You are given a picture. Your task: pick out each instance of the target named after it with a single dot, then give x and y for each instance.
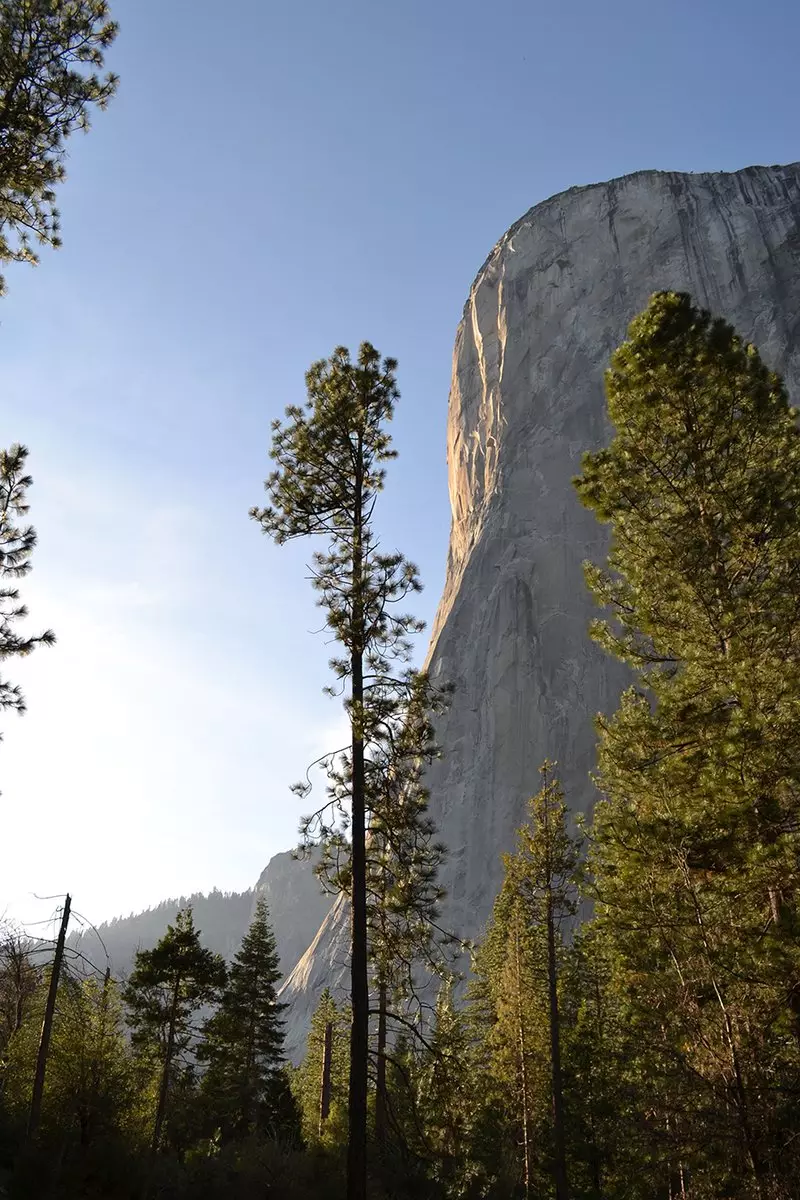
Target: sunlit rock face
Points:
(546, 310)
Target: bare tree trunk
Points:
(559, 1136)
(359, 982)
(325, 1080)
(381, 1104)
(47, 1026)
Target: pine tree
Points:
(406, 943)
(167, 987)
(17, 543)
(307, 1081)
(696, 846)
(516, 995)
(20, 979)
(93, 1088)
(449, 1096)
(243, 1046)
(50, 54)
(330, 458)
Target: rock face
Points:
(548, 307)
(297, 905)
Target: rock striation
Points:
(546, 310)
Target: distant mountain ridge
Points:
(296, 902)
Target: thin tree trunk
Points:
(559, 1137)
(325, 1079)
(523, 1067)
(381, 1105)
(359, 982)
(164, 1088)
(47, 1026)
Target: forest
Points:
(627, 1027)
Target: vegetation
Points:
(16, 547)
(631, 1026)
(330, 458)
(51, 56)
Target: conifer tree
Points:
(167, 987)
(330, 468)
(243, 1040)
(449, 1094)
(17, 543)
(406, 943)
(696, 846)
(307, 1081)
(517, 988)
(93, 1088)
(19, 982)
(51, 55)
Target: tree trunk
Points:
(325, 1079)
(381, 1106)
(359, 982)
(523, 1070)
(163, 1090)
(559, 1137)
(47, 1026)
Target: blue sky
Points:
(271, 181)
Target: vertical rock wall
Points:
(548, 307)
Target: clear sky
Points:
(271, 181)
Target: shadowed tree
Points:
(243, 1040)
(167, 987)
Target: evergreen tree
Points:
(307, 1081)
(19, 983)
(243, 1046)
(51, 53)
(450, 1097)
(17, 543)
(93, 1088)
(696, 845)
(167, 987)
(330, 458)
(516, 996)
(406, 942)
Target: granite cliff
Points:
(545, 312)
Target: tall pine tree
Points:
(167, 987)
(330, 460)
(517, 991)
(696, 848)
(243, 1040)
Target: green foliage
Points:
(92, 1086)
(330, 460)
(307, 1079)
(515, 996)
(51, 56)
(17, 543)
(695, 850)
(167, 987)
(243, 1046)
(19, 983)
